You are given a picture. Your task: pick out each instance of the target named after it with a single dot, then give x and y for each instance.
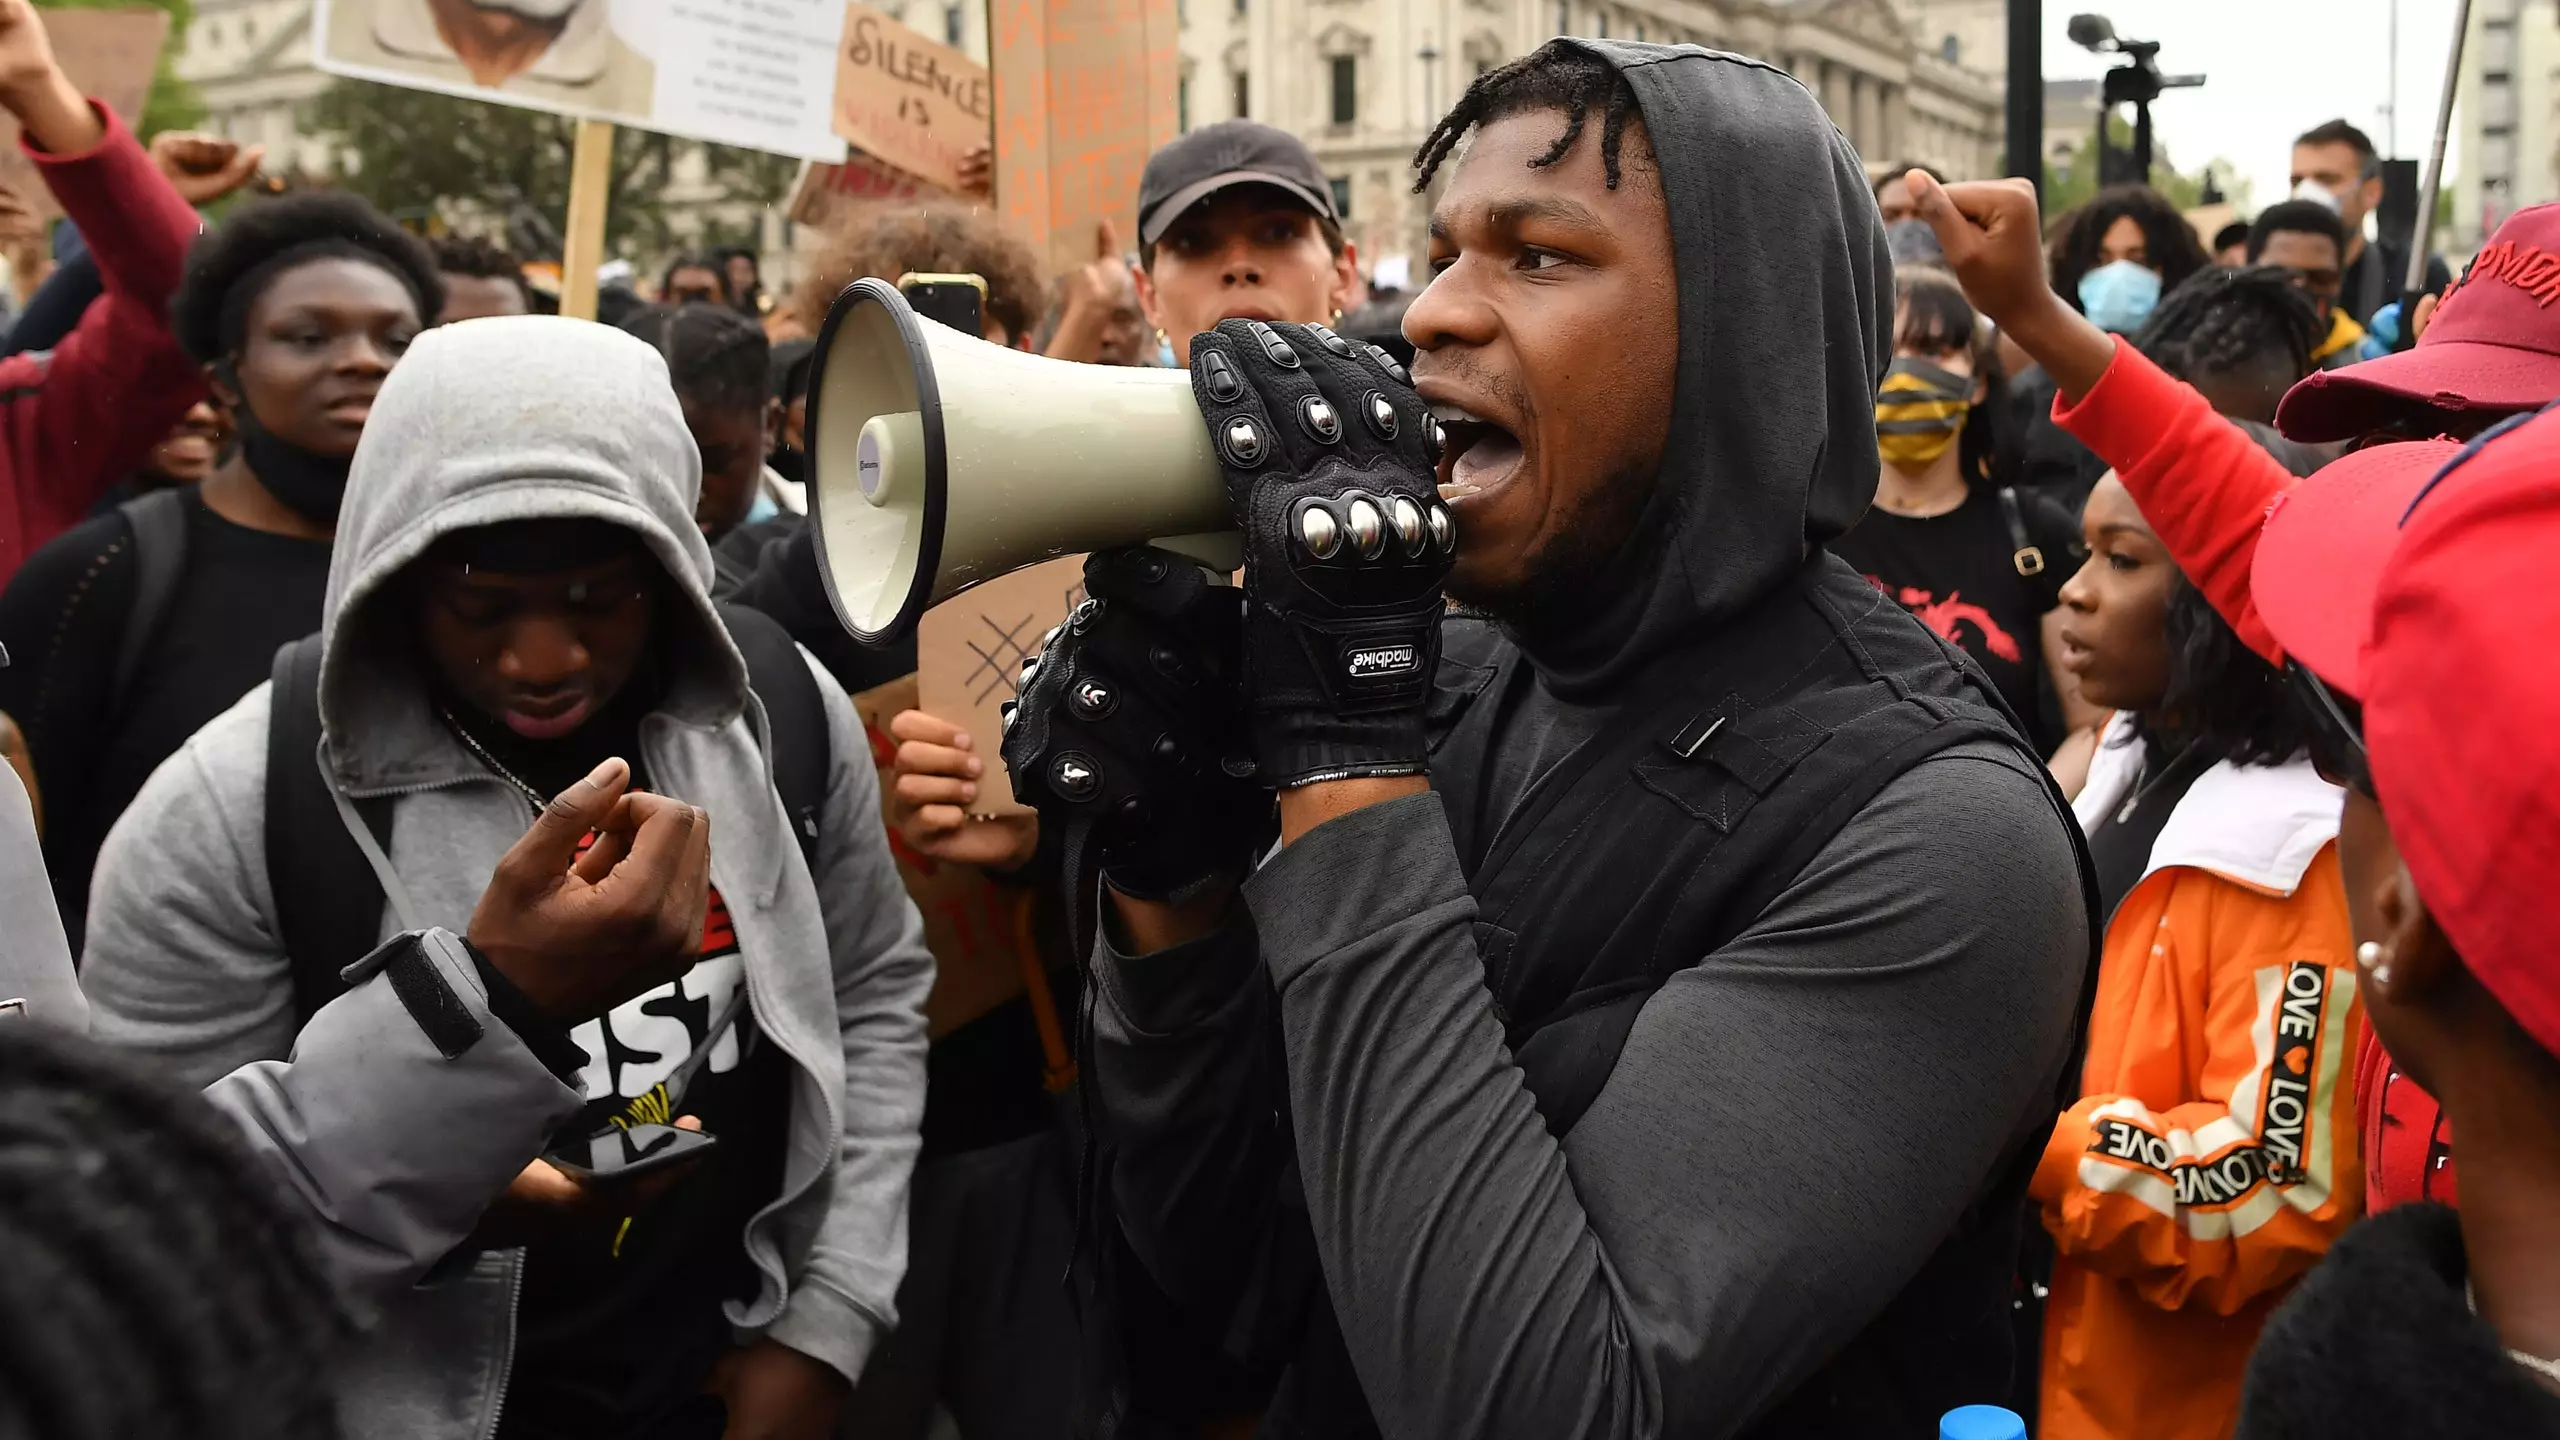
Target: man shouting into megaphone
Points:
(1657, 1004)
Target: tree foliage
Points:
(432, 159)
(173, 104)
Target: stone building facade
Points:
(1363, 80)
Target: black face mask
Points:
(310, 484)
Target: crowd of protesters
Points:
(609, 1014)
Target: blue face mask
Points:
(2118, 297)
(1164, 356)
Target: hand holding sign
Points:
(921, 106)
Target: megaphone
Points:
(938, 461)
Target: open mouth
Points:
(1480, 455)
(2075, 651)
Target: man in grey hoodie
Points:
(518, 592)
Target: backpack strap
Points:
(159, 522)
(796, 711)
(2024, 553)
(328, 900)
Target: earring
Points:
(2369, 958)
(1337, 319)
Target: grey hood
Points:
(488, 421)
(1786, 321)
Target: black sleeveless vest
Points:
(1732, 762)
(1727, 767)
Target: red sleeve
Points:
(85, 417)
(2201, 481)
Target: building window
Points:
(1483, 67)
(1240, 8)
(1341, 186)
(1243, 96)
(952, 21)
(1346, 89)
(1182, 106)
(1639, 30)
(1564, 17)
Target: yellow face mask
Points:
(1920, 410)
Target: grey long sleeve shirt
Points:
(1793, 1126)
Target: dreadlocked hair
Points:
(2220, 320)
(155, 1284)
(1555, 76)
(718, 357)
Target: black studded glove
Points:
(1331, 475)
(1129, 717)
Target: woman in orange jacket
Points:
(2212, 1156)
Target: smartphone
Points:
(624, 1154)
(959, 301)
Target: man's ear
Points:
(2371, 193)
(1146, 284)
(1346, 276)
(772, 424)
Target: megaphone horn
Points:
(938, 461)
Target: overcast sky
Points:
(2273, 69)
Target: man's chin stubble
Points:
(1572, 574)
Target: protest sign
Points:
(911, 102)
(1085, 92)
(111, 54)
(756, 73)
(970, 649)
(826, 194)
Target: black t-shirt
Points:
(619, 1320)
(1958, 572)
(241, 594)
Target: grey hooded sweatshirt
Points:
(482, 423)
(1796, 1121)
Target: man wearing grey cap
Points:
(1236, 222)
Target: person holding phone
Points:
(512, 604)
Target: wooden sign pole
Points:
(590, 182)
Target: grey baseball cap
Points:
(1231, 152)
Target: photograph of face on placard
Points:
(758, 73)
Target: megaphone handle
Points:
(1220, 552)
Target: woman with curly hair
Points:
(133, 629)
(930, 238)
(2212, 1156)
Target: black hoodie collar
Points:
(2380, 1344)
(1786, 314)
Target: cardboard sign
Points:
(756, 73)
(908, 100)
(827, 194)
(1086, 90)
(111, 54)
(970, 649)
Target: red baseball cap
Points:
(2322, 549)
(2493, 347)
(2459, 695)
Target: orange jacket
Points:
(2212, 1157)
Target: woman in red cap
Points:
(2425, 1323)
